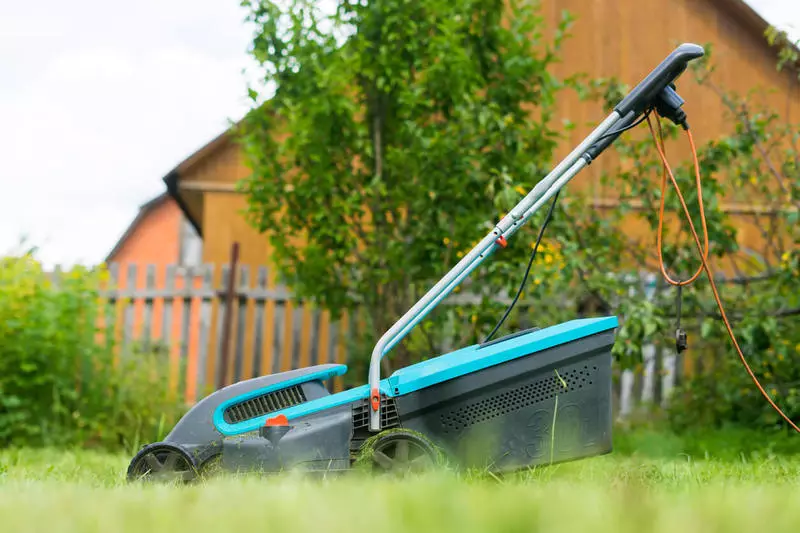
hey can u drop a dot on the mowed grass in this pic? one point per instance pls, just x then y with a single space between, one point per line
645 489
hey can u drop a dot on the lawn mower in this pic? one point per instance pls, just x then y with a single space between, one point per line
533 397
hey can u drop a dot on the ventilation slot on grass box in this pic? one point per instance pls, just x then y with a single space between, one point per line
264 404
513 400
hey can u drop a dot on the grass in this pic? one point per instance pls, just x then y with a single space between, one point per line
651 484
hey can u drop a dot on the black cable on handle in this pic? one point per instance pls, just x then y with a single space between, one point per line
527 270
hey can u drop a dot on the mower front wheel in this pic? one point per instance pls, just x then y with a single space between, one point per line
162 462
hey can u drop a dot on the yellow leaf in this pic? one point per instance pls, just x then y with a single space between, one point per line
520 190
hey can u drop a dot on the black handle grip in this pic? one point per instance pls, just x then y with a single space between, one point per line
643 95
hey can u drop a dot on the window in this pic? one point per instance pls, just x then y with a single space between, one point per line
191 245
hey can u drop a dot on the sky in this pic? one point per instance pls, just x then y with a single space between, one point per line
99 99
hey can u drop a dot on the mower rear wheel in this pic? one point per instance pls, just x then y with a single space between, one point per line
402 452
162 462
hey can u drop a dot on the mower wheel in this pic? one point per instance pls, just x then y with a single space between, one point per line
398 451
162 462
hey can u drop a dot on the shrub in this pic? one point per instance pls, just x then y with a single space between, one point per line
62 380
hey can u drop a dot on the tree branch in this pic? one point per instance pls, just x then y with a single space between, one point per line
744 116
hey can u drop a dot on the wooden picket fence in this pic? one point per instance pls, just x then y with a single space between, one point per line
217 334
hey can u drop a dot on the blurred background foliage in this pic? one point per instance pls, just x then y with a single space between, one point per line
63 378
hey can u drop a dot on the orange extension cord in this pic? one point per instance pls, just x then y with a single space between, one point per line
667 171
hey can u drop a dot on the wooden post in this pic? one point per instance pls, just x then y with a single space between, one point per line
228 323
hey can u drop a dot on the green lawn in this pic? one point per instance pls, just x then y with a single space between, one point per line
644 487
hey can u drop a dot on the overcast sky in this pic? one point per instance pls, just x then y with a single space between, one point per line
99 99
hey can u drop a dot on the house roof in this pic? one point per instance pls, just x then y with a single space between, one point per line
171 179
739 9
144 209
745 14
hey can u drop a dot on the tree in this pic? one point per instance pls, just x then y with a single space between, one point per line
397 132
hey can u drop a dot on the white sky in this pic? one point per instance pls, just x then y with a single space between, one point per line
99 99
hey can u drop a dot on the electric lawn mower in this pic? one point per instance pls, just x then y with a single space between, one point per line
537 396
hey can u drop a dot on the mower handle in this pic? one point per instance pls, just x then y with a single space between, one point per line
643 95
639 99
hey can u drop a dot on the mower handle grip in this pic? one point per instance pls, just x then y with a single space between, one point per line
643 95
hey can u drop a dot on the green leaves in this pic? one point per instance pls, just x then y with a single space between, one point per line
59 385
394 126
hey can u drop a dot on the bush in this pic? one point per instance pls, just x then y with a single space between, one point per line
62 381
725 394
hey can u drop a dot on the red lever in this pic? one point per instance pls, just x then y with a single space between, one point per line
279 420
376 399
501 241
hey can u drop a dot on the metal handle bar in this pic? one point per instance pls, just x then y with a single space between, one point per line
631 106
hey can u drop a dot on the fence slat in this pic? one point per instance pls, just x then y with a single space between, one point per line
204 336
341 349
323 340
110 325
219 358
287 336
244 329
127 322
313 338
297 333
279 335
668 379
306 316
259 327
648 373
166 305
147 313
626 393
172 324
186 323
333 341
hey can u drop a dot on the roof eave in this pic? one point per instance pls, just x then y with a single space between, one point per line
171 181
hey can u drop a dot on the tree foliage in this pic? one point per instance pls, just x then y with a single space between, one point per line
397 132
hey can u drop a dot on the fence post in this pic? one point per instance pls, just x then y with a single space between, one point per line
227 322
